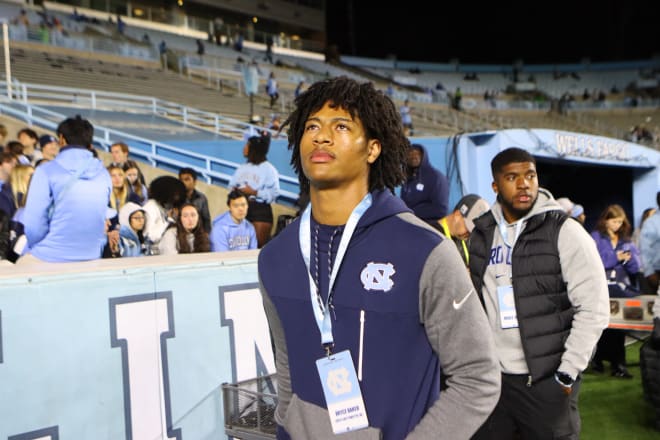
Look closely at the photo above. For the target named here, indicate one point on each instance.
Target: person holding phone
(622, 263)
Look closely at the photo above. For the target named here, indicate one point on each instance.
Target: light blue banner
(103, 350)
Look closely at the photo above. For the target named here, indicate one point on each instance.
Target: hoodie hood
(225, 219)
(424, 164)
(544, 202)
(73, 157)
(383, 205)
(126, 211)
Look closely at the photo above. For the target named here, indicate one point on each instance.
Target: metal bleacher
(213, 83)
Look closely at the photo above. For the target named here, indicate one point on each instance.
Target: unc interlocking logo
(377, 276)
(338, 382)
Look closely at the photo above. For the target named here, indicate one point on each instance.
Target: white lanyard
(502, 226)
(322, 311)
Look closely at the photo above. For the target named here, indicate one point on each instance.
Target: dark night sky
(536, 32)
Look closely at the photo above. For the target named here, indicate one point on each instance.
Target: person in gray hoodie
(542, 283)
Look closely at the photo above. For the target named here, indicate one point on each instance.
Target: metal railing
(158, 154)
(101, 100)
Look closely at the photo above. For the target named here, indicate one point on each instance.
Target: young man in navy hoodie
(366, 302)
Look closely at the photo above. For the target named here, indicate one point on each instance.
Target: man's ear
(494, 186)
(61, 140)
(373, 150)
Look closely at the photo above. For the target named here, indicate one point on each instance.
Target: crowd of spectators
(75, 208)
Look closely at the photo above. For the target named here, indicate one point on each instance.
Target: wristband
(565, 380)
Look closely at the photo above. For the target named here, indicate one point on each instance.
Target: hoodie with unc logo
(421, 315)
(227, 235)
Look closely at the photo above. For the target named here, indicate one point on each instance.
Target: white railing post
(24, 93)
(93, 96)
(5, 41)
(185, 115)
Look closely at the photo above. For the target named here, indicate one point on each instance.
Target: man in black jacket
(541, 281)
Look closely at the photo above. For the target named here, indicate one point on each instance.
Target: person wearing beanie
(458, 224)
(50, 146)
(260, 182)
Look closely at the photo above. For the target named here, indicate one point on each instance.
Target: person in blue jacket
(231, 231)
(365, 302)
(65, 211)
(622, 263)
(426, 190)
(132, 242)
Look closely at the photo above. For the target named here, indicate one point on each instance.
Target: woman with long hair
(121, 191)
(259, 181)
(621, 260)
(188, 236)
(136, 181)
(20, 181)
(166, 196)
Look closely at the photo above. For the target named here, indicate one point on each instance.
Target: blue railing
(160, 155)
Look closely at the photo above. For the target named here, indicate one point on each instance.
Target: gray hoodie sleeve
(284, 392)
(582, 268)
(458, 331)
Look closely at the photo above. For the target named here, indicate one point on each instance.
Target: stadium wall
(121, 349)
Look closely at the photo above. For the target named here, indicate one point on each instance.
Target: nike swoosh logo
(459, 304)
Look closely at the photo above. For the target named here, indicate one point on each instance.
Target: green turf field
(614, 409)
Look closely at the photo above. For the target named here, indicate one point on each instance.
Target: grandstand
(207, 93)
(95, 61)
(214, 81)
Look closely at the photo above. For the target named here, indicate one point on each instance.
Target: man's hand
(565, 381)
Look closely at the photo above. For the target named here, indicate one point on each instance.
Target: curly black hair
(258, 148)
(168, 191)
(378, 114)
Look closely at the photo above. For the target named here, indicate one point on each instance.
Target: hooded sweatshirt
(426, 191)
(420, 315)
(76, 230)
(129, 242)
(227, 235)
(581, 269)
